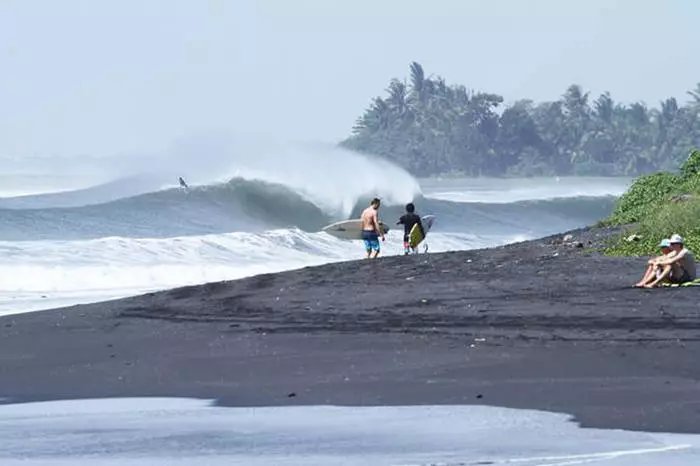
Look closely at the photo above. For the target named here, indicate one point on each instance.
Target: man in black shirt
(409, 219)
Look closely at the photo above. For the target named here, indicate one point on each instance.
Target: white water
(45, 274)
(37, 275)
(170, 431)
(334, 180)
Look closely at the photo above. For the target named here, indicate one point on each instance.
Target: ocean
(84, 229)
(174, 431)
(81, 229)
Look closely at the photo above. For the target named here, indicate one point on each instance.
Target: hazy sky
(106, 77)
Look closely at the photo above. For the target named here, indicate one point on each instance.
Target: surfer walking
(408, 220)
(371, 231)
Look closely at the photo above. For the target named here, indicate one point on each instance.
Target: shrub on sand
(644, 196)
(681, 218)
(650, 205)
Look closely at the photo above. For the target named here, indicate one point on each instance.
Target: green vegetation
(660, 205)
(430, 127)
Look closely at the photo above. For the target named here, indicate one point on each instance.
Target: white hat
(676, 239)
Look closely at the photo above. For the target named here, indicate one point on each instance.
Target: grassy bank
(659, 205)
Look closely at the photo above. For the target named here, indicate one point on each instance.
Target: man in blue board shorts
(371, 232)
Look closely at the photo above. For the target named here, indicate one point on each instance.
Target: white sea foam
(38, 275)
(166, 431)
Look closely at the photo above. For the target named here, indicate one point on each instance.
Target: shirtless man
(370, 228)
(676, 268)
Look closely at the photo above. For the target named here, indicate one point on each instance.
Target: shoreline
(537, 324)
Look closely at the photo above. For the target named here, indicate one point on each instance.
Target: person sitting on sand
(408, 220)
(371, 231)
(677, 268)
(653, 269)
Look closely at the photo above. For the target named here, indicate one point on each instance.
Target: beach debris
(291, 395)
(424, 301)
(480, 339)
(410, 278)
(479, 396)
(568, 240)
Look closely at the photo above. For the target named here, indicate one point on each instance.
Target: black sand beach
(538, 324)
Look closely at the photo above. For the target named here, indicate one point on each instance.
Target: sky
(126, 77)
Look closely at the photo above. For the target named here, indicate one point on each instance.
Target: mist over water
(252, 207)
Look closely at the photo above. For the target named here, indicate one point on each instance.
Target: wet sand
(538, 324)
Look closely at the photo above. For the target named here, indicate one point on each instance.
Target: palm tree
(418, 90)
(429, 127)
(639, 114)
(669, 110)
(397, 97)
(695, 94)
(604, 107)
(576, 101)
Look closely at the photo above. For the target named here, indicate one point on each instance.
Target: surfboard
(349, 229)
(414, 236)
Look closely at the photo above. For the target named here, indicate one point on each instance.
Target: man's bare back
(369, 220)
(371, 231)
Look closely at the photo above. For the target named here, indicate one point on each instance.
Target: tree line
(430, 128)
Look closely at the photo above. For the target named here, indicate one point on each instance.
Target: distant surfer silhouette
(182, 183)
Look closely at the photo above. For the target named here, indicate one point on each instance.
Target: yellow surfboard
(414, 236)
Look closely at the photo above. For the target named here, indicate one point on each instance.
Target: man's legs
(648, 274)
(368, 247)
(375, 246)
(665, 272)
(678, 274)
(371, 243)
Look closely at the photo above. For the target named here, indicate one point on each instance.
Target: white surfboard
(427, 221)
(349, 229)
(415, 236)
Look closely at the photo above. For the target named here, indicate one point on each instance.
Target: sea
(82, 229)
